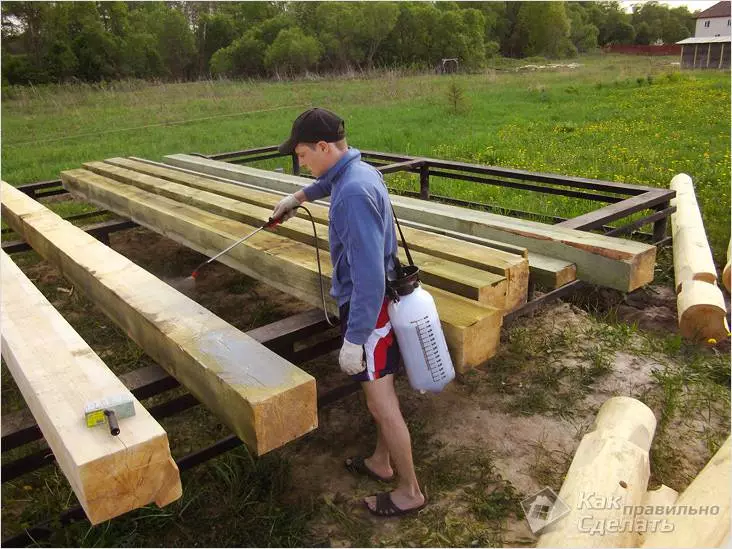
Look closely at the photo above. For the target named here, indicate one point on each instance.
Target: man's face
(317, 159)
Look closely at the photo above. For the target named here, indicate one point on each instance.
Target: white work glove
(286, 208)
(351, 358)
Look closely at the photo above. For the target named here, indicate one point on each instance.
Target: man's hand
(351, 358)
(286, 208)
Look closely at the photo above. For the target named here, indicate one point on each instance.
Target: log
(692, 256)
(727, 273)
(472, 330)
(702, 311)
(483, 286)
(260, 396)
(709, 490)
(58, 373)
(617, 263)
(514, 269)
(609, 472)
(662, 497)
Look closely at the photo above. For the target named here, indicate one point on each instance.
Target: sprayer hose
(320, 273)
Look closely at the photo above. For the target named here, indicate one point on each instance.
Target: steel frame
(622, 201)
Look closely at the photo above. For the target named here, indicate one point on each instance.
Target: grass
(617, 118)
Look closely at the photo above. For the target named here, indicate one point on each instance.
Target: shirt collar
(335, 170)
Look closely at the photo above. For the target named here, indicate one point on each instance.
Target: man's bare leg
(383, 404)
(379, 461)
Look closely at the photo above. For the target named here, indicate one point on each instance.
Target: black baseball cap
(312, 126)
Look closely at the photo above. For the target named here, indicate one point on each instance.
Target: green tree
(643, 34)
(338, 32)
(292, 52)
(214, 32)
(176, 43)
(377, 21)
(542, 28)
(243, 57)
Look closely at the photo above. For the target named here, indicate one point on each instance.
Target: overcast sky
(692, 5)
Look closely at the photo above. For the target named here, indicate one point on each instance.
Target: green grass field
(617, 118)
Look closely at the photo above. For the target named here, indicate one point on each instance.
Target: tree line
(91, 41)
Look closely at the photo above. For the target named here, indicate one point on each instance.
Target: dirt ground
(496, 435)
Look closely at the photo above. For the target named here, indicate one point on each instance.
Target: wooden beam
(58, 373)
(262, 398)
(614, 262)
(483, 286)
(507, 265)
(472, 330)
(692, 256)
(710, 492)
(19, 427)
(618, 448)
(547, 271)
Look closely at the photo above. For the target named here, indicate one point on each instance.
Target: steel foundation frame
(622, 200)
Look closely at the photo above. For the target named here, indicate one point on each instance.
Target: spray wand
(271, 222)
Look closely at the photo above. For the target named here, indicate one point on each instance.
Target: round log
(692, 256)
(608, 475)
(702, 312)
(701, 515)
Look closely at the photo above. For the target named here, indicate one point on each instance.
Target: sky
(692, 5)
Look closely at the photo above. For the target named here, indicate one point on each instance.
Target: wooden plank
(483, 286)
(513, 293)
(263, 398)
(58, 373)
(692, 256)
(472, 330)
(613, 262)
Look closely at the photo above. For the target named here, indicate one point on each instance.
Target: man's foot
(363, 466)
(394, 504)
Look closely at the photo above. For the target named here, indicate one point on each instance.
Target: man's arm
(363, 235)
(285, 208)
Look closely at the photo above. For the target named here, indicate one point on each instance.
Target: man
(362, 245)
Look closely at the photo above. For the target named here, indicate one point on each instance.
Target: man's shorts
(381, 351)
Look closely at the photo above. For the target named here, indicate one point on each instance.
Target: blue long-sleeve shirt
(362, 239)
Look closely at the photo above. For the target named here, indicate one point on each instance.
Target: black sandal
(385, 507)
(357, 465)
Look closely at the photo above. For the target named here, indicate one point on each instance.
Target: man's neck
(336, 155)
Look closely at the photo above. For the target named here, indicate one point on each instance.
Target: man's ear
(323, 146)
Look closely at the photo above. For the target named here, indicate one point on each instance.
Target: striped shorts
(381, 351)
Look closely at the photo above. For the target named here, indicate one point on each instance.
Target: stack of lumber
(700, 303)
(260, 396)
(613, 262)
(474, 277)
(58, 373)
(605, 489)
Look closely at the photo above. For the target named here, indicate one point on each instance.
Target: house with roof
(709, 48)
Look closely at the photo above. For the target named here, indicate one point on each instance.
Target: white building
(714, 21)
(710, 46)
